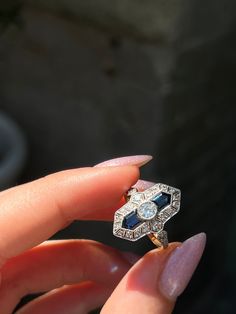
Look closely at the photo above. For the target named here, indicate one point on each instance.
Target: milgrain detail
(146, 212)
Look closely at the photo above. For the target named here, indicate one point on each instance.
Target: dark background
(87, 84)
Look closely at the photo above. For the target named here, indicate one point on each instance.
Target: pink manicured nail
(181, 265)
(137, 160)
(142, 185)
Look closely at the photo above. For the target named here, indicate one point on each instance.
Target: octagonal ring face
(146, 212)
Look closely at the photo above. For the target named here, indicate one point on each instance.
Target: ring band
(160, 240)
(145, 213)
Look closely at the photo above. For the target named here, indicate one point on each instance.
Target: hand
(79, 275)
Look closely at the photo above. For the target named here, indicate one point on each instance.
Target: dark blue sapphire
(162, 200)
(131, 221)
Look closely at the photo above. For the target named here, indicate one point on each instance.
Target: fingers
(75, 299)
(137, 160)
(59, 263)
(155, 281)
(138, 291)
(31, 213)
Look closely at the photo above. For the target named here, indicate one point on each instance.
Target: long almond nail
(181, 265)
(137, 160)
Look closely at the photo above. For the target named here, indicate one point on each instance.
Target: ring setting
(146, 212)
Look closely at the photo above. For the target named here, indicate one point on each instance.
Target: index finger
(31, 213)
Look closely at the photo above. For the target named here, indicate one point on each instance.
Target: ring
(145, 213)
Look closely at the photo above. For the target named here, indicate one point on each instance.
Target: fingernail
(132, 258)
(142, 185)
(137, 160)
(181, 265)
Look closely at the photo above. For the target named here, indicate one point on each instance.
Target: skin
(77, 275)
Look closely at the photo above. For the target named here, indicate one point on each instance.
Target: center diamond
(147, 210)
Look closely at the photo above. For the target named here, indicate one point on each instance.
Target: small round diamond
(137, 197)
(147, 210)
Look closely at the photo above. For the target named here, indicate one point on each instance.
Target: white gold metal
(151, 217)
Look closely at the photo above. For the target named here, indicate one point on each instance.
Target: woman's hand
(79, 275)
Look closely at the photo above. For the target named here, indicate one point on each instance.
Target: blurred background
(86, 81)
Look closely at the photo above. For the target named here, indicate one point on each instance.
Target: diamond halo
(146, 212)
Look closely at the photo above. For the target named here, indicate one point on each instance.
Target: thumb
(156, 280)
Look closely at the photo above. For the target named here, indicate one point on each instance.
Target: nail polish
(142, 185)
(181, 265)
(136, 160)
